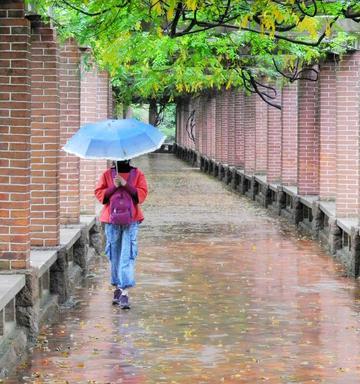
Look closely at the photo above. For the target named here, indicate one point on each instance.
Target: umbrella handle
(116, 167)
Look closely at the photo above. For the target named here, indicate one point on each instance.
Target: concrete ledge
(88, 220)
(274, 187)
(42, 259)
(308, 200)
(328, 207)
(69, 235)
(290, 190)
(10, 286)
(261, 179)
(347, 224)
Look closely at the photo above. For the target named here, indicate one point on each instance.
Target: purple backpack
(122, 208)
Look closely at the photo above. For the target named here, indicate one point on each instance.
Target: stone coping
(274, 187)
(308, 200)
(10, 286)
(347, 224)
(69, 235)
(290, 189)
(249, 177)
(260, 178)
(89, 220)
(42, 259)
(328, 207)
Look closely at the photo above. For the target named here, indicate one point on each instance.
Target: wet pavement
(225, 294)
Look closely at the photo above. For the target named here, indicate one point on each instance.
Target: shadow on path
(226, 294)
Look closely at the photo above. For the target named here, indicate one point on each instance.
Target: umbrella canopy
(114, 140)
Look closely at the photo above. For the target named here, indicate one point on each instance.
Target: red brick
(17, 153)
(289, 124)
(274, 137)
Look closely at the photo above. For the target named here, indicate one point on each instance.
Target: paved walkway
(226, 294)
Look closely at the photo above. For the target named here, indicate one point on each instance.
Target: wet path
(226, 294)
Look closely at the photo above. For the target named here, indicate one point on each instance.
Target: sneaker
(124, 302)
(117, 295)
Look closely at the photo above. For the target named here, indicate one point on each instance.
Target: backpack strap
(132, 176)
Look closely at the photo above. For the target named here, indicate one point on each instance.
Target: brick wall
(211, 125)
(312, 143)
(14, 136)
(274, 142)
(69, 124)
(289, 137)
(249, 132)
(204, 117)
(218, 133)
(88, 114)
(308, 137)
(45, 135)
(348, 136)
(224, 103)
(103, 112)
(231, 128)
(198, 123)
(185, 115)
(239, 111)
(94, 107)
(179, 127)
(261, 136)
(327, 99)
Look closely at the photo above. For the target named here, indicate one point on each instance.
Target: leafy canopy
(162, 50)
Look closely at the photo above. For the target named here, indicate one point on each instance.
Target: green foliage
(166, 49)
(168, 124)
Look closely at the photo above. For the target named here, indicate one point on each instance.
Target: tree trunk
(152, 112)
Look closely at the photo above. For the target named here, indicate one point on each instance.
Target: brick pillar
(231, 157)
(111, 101)
(187, 139)
(45, 135)
(185, 113)
(249, 132)
(205, 129)
(103, 100)
(261, 136)
(308, 137)
(15, 134)
(94, 107)
(348, 136)
(212, 126)
(239, 111)
(289, 124)
(327, 131)
(218, 118)
(274, 142)
(89, 99)
(198, 126)
(224, 126)
(69, 124)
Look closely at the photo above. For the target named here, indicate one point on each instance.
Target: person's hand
(119, 181)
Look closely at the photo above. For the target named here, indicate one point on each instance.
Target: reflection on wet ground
(225, 294)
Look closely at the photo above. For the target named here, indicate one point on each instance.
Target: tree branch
(124, 4)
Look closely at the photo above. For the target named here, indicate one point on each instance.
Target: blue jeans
(122, 250)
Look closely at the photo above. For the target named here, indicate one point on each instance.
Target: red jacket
(105, 188)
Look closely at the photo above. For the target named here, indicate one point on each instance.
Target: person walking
(121, 189)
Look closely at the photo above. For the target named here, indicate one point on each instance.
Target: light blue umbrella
(114, 140)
